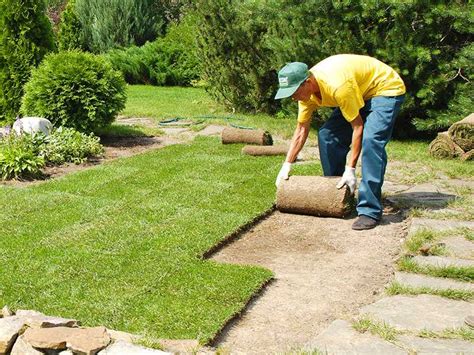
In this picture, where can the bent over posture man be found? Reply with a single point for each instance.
(367, 95)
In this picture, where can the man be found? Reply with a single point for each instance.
(367, 95)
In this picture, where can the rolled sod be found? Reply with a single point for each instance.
(314, 195)
(468, 155)
(258, 150)
(462, 133)
(250, 136)
(444, 147)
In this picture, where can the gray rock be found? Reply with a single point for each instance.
(9, 329)
(437, 283)
(22, 347)
(341, 338)
(36, 319)
(436, 346)
(422, 312)
(437, 225)
(425, 195)
(6, 312)
(122, 347)
(459, 247)
(442, 261)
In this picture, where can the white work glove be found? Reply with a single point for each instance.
(284, 173)
(349, 179)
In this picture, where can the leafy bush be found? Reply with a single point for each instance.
(70, 32)
(66, 145)
(170, 60)
(74, 89)
(25, 38)
(19, 157)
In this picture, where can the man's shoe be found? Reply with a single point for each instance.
(364, 222)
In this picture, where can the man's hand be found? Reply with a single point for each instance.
(284, 173)
(349, 179)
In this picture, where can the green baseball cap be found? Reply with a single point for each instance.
(290, 77)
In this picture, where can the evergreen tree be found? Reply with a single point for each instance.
(70, 33)
(25, 38)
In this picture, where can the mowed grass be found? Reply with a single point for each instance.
(121, 244)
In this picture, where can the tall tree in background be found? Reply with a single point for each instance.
(25, 39)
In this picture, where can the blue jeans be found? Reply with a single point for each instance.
(335, 138)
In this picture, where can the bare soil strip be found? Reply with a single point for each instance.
(323, 271)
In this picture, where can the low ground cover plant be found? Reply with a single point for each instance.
(23, 156)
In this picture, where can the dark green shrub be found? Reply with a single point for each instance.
(19, 157)
(237, 64)
(66, 145)
(170, 60)
(25, 38)
(74, 89)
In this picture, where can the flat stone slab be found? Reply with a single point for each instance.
(424, 195)
(22, 347)
(36, 319)
(437, 224)
(459, 247)
(437, 283)
(422, 312)
(391, 188)
(211, 130)
(442, 261)
(341, 338)
(122, 347)
(9, 329)
(436, 346)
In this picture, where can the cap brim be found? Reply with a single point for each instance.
(286, 92)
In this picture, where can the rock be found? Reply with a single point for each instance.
(442, 261)
(436, 283)
(341, 338)
(6, 312)
(86, 341)
(180, 346)
(22, 347)
(116, 335)
(32, 125)
(36, 319)
(422, 312)
(436, 346)
(437, 225)
(459, 247)
(9, 329)
(122, 347)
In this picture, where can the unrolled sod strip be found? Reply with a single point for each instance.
(250, 136)
(444, 147)
(468, 155)
(314, 195)
(258, 150)
(462, 133)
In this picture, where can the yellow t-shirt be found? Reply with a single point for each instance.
(346, 81)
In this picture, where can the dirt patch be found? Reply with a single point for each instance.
(323, 271)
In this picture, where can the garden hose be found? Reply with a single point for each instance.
(195, 120)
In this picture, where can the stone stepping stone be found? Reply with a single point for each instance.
(422, 312)
(424, 195)
(459, 247)
(437, 225)
(390, 188)
(442, 261)
(122, 347)
(22, 347)
(36, 319)
(341, 338)
(437, 283)
(436, 346)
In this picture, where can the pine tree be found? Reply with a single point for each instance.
(25, 39)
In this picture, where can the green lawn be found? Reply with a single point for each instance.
(121, 244)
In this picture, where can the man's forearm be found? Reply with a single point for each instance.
(298, 141)
(356, 146)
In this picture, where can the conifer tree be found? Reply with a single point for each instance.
(25, 38)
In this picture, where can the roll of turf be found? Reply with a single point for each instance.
(250, 136)
(468, 155)
(444, 147)
(314, 195)
(258, 150)
(462, 133)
